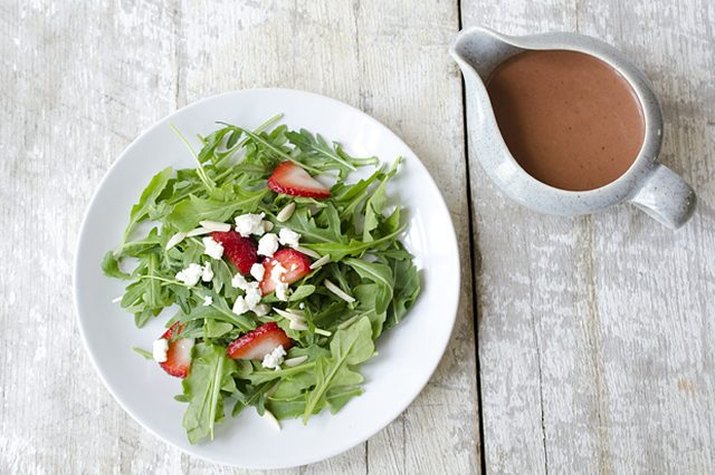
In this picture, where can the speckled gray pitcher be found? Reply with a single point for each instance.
(650, 186)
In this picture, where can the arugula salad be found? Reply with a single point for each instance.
(278, 284)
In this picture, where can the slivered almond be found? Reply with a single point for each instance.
(320, 262)
(297, 326)
(298, 360)
(287, 211)
(197, 232)
(215, 226)
(307, 252)
(338, 291)
(291, 315)
(268, 416)
(175, 239)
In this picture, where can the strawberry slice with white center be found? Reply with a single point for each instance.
(290, 179)
(258, 343)
(294, 266)
(178, 356)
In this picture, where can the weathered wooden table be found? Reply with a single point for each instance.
(595, 335)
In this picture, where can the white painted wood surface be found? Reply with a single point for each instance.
(595, 333)
(80, 81)
(595, 345)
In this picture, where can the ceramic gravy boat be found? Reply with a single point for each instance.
(650, 186)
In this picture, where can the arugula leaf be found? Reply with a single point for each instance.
(326, 231)
(320, 155)
(349, 347)
(187, 214)
(147, 201)
(210, 371)
(147, 355)
(110, 267)
(407, 288)
(339, 250)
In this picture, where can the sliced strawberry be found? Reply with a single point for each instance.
(290, 179)
(178, 357)
(296, 265)
(241, 251)
(258, 343)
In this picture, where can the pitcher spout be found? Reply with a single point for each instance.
(479, 50)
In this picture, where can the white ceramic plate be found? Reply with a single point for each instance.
(407, 356)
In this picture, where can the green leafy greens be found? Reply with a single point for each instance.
(356, 232)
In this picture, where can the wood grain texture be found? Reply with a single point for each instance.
(595, 333)
(79, 81)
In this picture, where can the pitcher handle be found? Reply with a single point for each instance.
(666, 197)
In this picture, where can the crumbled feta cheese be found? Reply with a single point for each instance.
(253, 295)
(212, 248)
(208, 300)
(288, 237)
(215, 226)
(249, 223)
(207, 273)
(287, 211)
(274, 359)
(301, 305)
(257, 271)
(282, 291)
(191, 275)
(239, 306)
(239, 282)
(261, 310)
(159, 350)
(277, 272)
(268, 245)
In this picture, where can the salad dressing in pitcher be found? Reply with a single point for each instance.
(569, 119)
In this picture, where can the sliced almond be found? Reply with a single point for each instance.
(215, 226)
(338, 291)
(175, 239)
(307, 252)
(297, 326)
(268, 416)
(320, 262)
(287, 211)
(197, 232)
(298, 360)
(291, 315)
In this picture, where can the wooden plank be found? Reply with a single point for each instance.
(390, 61)
(80, 82)
(594, 332)
(73, 99)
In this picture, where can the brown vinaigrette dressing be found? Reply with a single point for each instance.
(569, 119)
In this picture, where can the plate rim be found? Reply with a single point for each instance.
(82, 236)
